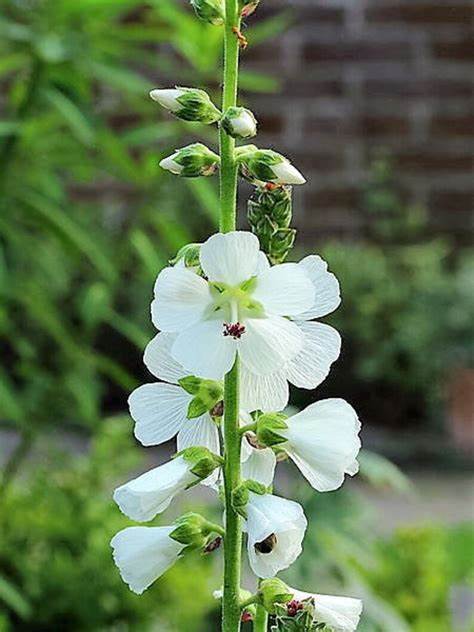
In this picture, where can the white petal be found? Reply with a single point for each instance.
(263, 263)
(231, 258)
(159, 411)
(286, 173)
(167, 98)
(204, 350)
(269, 343)
(151, 493)
(342, 614)
(327, 297)
(257, 465)
(321, 347)
(181, 299)
(160, 362)
(263, 392)
(201, 432)
(323, 442)
(285, 519)
(285, 289)
(143, 554)
(169, 164)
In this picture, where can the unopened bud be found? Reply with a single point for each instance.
(203, 461)
(268, 426)
(247, 7)
(211, 11)
(241, 495)
(189, 255)
(188, 104)
(192, 530)
(239, 122)
(192, 161)
(272, 592)
(207, 394)
(266, 165)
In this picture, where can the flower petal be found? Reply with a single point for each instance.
(269, 343)
(285, 289)
(143, 554)
(160, 362)
(326, 285)
(323, 442)
(321, 347)
(204, 350)
(181, 299)
(263, 392)
(144, 497)
(201, 432)
(257, 464)
(230, 258)
(342, 614)
(159, 411)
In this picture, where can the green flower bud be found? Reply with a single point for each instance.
(239, 122)
(192, 161)
(272, 592)
(266, 165)
(188, 104)
(192, 530)
(189, 254)
(212, 11)
(207, 393)
(204, 461)
(281, 242)
(241, 495)
(268, 426)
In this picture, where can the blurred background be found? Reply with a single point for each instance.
(372, 100)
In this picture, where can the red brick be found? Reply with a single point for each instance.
(357, 51)
(434, 161)
(415, 87)
(460, 50)
(413, 13)
(384, 126)
(452, 125)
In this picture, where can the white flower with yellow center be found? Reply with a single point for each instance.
(238, 306)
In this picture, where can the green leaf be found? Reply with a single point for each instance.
(11, 596)
(72, 115)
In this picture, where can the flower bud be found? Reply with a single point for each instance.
(268, 426)
(247, 7)
(192, 161)
(239, 122)
(207, 393)
(211, 11)
(203, 461)
(191, 530)
(188, 104)
(241, 495)
(189, 255)
(266, 165)
(272, 592)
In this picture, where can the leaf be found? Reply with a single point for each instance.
(121, 78)
(72, 115)
(11, 596)
(147, 252)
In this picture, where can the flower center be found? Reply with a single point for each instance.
(293, 607)
(235, 330)
(266, 546)
(234, 304)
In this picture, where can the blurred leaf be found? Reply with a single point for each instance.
(72, 115)
(382, 473)
(12, 597)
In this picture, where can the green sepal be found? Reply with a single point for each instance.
(190, 384)
(241, 495)
(268, 426)
(204, 461)
(196, 160)
(196, 408)
(191, 530)
(272, 592)
(189, 254)
(207, 393)
(257, 165)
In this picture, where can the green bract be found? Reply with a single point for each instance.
(203, 460)
(192, 530)
(268, 426)
(272, 592)
(207, 393)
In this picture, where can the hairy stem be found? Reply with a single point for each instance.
(260, 623)
(231, 608)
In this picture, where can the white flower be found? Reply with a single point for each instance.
(323, 442)
(321, 346)
(341, 614)
(258, 464)
(240, 306)
(275, 528)
(160, 410)
(151, 493)
(168, 98)
(143, 554)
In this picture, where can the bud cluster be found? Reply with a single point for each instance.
(269, 213)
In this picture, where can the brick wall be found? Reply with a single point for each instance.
(359, 75)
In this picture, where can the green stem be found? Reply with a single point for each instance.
(260, 623)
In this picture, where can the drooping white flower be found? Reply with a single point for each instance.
(240, 306)
(275, 527)
(257, 464)
(160, 410)
(321, 346)
(143, 554)
(322, 440)
(151, 493)
(341, 614)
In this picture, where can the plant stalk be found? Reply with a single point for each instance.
(231, 608)
(260, 623)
